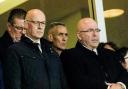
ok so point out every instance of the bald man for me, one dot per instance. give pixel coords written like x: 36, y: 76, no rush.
x: 25, y: 66
x: 88, y: 67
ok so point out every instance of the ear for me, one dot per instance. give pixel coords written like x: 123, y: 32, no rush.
x: 78, y: 36
x: 9, y: 26
x: 50, y: 37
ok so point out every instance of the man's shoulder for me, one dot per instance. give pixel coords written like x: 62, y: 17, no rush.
x: 17, y: 46
x: 71, y: 50
x: 6, y: 39
x: 69, y: 54
x: 106, y: 51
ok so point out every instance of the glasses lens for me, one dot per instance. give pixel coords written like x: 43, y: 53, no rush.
x: 18, y: 27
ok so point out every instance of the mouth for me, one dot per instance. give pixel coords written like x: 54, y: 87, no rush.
x: 63, y: 44
x: 40, y: 32
x: 18, y: 35
x: 95, y: 40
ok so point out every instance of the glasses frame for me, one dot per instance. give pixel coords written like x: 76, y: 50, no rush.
x: 92, y: 30
x: 18, y: 28
x: 37, y: 23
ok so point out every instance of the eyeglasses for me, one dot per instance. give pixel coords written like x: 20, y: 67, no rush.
x: 18, y: 27
x: 92, y: 30
x: 37, y: 23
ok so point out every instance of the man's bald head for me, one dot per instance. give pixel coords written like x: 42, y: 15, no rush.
x: 35, y: 24
x: 88, y: 33
x: 33, y: 13
x: 85, y: 23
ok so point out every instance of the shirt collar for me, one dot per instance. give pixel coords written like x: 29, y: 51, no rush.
x: 34, y: 41
x: 94, y: 50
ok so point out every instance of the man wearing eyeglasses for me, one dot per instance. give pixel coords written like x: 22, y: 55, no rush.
x: 88, y: 67
x: 14, y: 30
x: 25, y: 63
x: 13, y: 33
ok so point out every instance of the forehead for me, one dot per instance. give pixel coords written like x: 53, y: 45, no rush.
x: 86, y: 24
x: 18, y: 21
x: 60, y: 29
x: 36, y: 16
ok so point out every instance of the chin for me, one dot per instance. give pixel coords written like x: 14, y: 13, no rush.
x: 39, y: 36
x: 62, y: 48
x: 95, y: 46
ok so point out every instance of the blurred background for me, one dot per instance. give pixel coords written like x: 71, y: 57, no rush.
x: 69, y: 12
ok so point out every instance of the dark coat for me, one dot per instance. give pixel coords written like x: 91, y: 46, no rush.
x: 57, y: 77
x: 86, y: 70
x: 5, y: 42
x: 25, y: 67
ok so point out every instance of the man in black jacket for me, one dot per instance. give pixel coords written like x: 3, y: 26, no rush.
x: 29, y: 65
x: 25, y: 65
x: 13, y: 34
x: 58, y: 36
x: 89, y: 67
x: 14, y: 30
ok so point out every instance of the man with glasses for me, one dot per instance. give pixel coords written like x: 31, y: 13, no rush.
x: 88, y: 67
x: 28, y: 65
x: 14, y: 31
x: 25, y: 63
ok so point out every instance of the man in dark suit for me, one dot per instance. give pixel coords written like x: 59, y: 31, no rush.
x: 58, y: 36
x: 12, y: 34
x: 14, y: 30
x: 88, y: 67
x: 29, y: 64
x: 25, y: 65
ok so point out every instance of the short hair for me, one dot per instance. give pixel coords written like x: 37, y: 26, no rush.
x: 111, y: 44
x: 16, y: 13
x: 53, y: 24
x: 121, y: 53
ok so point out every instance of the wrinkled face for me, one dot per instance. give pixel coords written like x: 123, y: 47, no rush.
x: 59, y: 38
x: 16, y: 29
x: 88, y: 34
x: 35, y: 26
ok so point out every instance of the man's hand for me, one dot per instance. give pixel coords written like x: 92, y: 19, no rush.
x: 116, y: 86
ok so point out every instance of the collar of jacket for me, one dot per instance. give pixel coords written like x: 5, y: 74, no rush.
x: 84, y: 49
x: 26, y: 40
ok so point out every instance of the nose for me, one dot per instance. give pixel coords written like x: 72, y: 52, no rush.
x: 40, y: 25
x: 95, y: 33
x: 65, y: 37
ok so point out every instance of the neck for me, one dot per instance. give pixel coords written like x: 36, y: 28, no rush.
x: 58, y: 50
x: 87, y: 46
x: 34, y: 40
